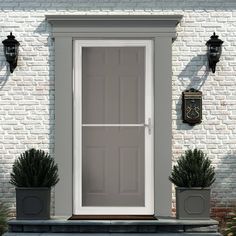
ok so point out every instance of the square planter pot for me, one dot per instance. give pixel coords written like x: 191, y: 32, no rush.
x: 193, y: 203
x: 33, y: 203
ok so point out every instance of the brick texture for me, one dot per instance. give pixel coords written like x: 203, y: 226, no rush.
x: 27, y: 95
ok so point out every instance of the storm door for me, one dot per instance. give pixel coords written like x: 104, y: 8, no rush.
x: 113, y: 127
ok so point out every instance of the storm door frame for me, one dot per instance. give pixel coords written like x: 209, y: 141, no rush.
x: 77, y: 127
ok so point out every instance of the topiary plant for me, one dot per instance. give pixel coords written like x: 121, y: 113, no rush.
x: 193, y: 170
x: 34, y: 168
x: 4, y: 213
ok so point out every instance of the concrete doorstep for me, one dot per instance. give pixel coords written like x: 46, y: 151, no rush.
x: 160, y: 227
x: 115, y: 234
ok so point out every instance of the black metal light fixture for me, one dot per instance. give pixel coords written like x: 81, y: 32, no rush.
x: 214, y: 48
x: 11, y: 49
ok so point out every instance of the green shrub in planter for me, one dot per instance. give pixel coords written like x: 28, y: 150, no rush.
x: 231, y: 225
x: 193, y: 175
x: 34, y: 168
x: 33, y: 174
x: 193, y: 170
x: 4, y: 213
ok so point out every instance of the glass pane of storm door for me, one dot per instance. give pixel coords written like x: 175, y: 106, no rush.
x: 113, y: 117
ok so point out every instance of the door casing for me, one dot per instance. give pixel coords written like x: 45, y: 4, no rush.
x: 65, y: 29
x: 77, y: 128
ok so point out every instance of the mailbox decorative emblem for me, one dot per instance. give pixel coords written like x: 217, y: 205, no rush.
x: 192, y: 106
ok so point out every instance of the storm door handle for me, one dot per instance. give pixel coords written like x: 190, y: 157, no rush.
x: 149, y: 125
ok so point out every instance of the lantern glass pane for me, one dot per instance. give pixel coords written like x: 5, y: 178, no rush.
x: 214, y: 51
x: 10, y: 51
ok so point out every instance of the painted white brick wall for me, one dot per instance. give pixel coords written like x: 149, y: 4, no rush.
x: 27, y: 95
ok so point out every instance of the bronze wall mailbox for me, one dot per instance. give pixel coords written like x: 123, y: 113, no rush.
x: 192, y: 106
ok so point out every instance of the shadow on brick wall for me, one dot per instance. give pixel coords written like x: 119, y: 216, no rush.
x: 194, y: 75
x: 3, y: 79
x: 195, y: 72
x: 44, y: 30
x: 4, y: 69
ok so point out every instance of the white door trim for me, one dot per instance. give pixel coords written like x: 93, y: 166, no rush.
x: 77, y: 128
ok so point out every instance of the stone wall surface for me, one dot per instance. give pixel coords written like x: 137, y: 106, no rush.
x: 27, y: 96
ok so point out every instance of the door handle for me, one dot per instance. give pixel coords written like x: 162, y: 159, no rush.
x: 149, y: 125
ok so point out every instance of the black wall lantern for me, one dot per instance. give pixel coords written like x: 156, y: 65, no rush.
x: 192, y: 106
x: 11, y: 47
x: 214, y: 48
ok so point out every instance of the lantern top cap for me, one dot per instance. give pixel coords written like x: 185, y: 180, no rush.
x: 10, y: 41
x: 214, y: 36
x: 214, y: 40
x: 11, y: 36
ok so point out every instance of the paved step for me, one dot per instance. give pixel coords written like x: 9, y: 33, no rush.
x: 64, y: 227
x: 115, y: 234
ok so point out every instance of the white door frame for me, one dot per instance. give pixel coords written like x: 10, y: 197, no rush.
x: 77, y: 128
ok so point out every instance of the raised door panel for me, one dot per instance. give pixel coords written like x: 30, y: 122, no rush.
x: 113, y: 166
x: 113, y: 87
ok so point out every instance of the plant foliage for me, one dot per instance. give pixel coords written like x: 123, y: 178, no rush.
x: 34, y: 168
x: 193, y: 170
x: 231, y: 225
x: 4, y: 213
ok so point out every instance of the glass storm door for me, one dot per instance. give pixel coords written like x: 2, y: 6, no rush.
x: 113, y: 127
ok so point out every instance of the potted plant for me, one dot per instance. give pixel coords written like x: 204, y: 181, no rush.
x: 33, y: 174
x: 193, y: 175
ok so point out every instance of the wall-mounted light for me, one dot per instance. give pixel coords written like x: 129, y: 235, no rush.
x: 214, y: 48
x: 11, y: 48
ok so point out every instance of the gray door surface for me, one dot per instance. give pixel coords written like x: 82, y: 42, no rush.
x: 113, y: 136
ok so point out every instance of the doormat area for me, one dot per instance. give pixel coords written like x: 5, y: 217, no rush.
x: 112, y: 217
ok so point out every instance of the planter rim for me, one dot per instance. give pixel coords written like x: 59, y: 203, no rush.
x: 42, y: 188
x: 193, y: 188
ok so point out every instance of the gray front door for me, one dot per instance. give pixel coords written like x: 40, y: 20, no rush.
x: 113, y: 126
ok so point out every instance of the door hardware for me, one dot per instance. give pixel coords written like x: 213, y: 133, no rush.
x: 149, y: 125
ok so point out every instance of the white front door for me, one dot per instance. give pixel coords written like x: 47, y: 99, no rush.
x: 113, y: 127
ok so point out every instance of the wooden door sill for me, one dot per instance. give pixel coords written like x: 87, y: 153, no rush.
x: 112, y: 217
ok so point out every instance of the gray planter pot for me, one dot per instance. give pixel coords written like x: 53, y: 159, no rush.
x: 33, y: 203
x: 193, y: 203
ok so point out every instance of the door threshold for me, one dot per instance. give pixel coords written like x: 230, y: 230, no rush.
x: 112, y: 217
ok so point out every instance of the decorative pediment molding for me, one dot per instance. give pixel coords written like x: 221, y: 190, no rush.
x: 165, y: 24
